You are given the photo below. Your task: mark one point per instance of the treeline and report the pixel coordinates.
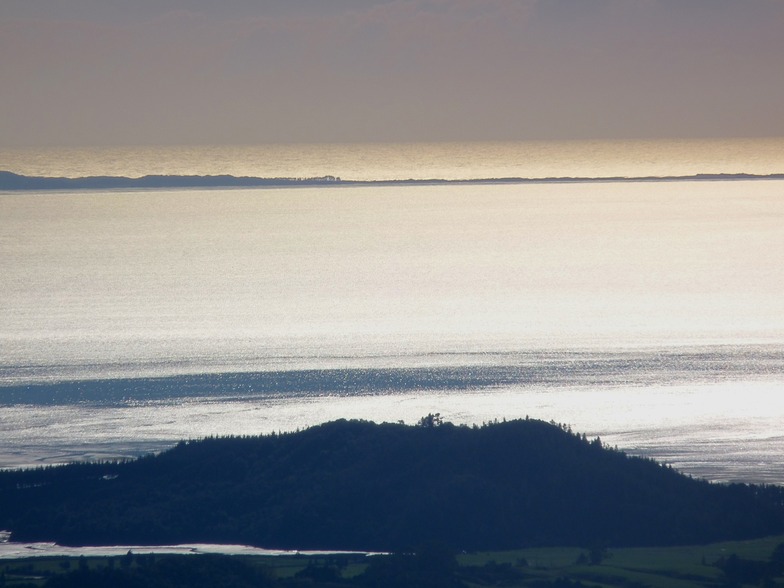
(739, 571)
(355, 485)
(12, 181)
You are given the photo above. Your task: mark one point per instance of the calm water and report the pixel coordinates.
(649, 314)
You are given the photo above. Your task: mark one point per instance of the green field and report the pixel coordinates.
(667, 567)
(655, 567)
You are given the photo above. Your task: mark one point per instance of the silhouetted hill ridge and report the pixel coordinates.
(364, 486)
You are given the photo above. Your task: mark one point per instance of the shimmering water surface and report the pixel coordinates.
(16, 550)
(650, 314)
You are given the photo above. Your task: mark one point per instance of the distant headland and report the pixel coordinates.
(15, 182)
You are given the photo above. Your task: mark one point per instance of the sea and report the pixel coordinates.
(647, 313)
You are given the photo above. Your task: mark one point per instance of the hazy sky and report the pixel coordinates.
(104, 72)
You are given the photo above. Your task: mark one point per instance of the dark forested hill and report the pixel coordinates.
(359, 485)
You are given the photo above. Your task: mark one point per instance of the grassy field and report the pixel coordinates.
(34, 571)
(665, 567)
(655, 567)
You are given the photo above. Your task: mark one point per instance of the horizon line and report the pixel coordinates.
(10, 181)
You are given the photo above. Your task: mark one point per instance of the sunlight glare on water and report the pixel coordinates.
(96, 286)
(155, 277)
(728, 431)
(402, 161)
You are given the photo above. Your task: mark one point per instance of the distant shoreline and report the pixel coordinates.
(13, 550)
(15, 182)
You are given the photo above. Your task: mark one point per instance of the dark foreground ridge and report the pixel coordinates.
(357, 485)
(16, 182)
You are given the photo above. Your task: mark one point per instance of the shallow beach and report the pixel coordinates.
(13, 550)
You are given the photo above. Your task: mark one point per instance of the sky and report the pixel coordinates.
(171, 72)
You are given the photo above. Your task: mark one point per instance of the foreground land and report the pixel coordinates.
(750, 563)
(355, 485)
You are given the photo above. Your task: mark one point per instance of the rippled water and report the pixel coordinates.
(711, 412)
(649, 314)
(402, 161)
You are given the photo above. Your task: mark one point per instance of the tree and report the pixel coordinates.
(430, 421)
(597, 554)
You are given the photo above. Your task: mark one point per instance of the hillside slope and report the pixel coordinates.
(359, 485)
